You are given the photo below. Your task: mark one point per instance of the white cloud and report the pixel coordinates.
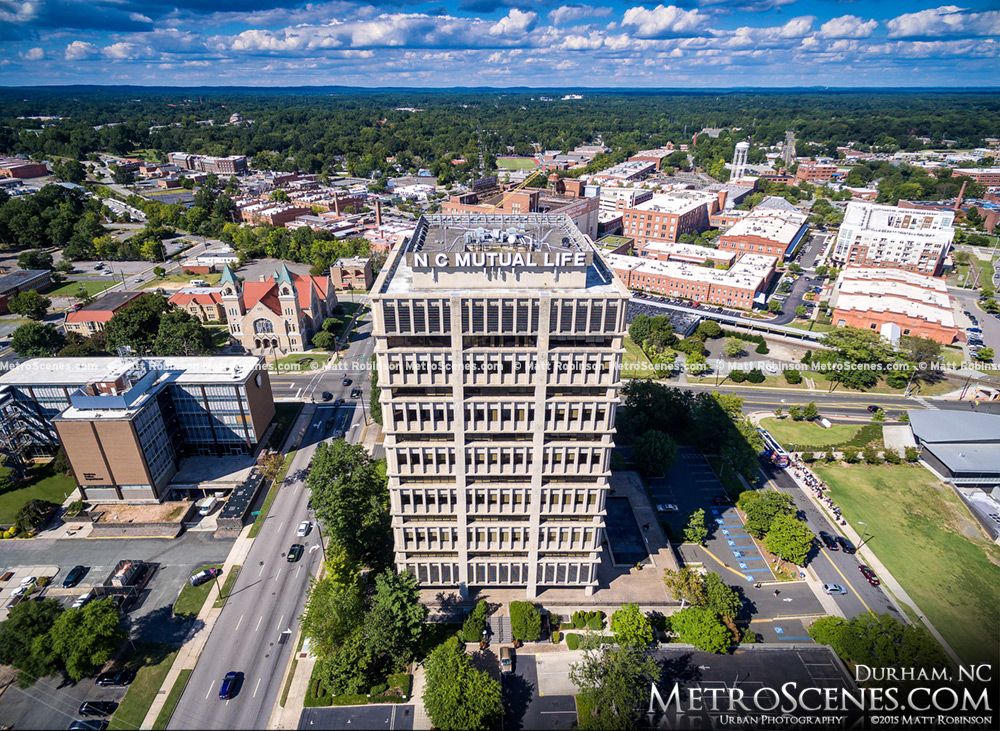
(943, 21)
(120, 51)
(847, 26)
(78, 50)
(515, 22)
(575, 14)
(15, 12)
(664, 22)
(771, 36)
(583, 43)
(34, 54)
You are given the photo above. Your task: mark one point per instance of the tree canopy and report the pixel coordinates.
(458, 697)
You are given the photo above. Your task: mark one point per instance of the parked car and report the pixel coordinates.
(834, 589)
(355, 393)
(82, 600)
(115, 678)
(89, 724)
(230, 685)
(347, 381)
(74, 576)
(829, 541)
(667, 508)
(204, 576)
(845, 545)
(304, 528)
(869, 575)
(874, 408)
(97, 708)
(326, 396)
(295, 552)
(506, 659)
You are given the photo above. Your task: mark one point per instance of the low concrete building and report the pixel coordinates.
(962, 447)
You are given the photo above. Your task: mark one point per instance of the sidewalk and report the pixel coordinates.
(287, 716)
(191, 650)
(896, 592)
(421, 721)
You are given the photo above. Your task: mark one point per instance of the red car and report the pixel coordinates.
(869, 574)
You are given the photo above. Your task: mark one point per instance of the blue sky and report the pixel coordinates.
(693, 43)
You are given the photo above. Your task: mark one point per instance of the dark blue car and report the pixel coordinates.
(230, 685)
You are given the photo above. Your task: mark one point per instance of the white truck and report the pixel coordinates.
(207, 505)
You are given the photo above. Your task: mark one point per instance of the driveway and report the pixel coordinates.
(526, 708)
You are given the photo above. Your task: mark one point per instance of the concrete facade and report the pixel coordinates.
(499, 378)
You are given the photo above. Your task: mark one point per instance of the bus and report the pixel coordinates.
(772, 450)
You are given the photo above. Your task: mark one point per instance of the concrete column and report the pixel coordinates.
(538, 443)
(461, 469)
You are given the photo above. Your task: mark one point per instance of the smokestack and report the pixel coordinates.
(378, 214)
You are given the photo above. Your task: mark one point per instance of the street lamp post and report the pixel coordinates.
(865, 537)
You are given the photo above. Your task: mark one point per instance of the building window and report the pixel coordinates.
(263, 326)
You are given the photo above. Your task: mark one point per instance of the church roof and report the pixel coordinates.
(266, 292)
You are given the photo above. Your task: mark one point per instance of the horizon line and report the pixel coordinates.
(521, 88)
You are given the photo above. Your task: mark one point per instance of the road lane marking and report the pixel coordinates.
(208, 693)
(261, 570)
(281, 525)
(277, 574)
(239, 623)
(847, 584)
(255, 688)
(278, 628)
(258, 622)
(298, 571)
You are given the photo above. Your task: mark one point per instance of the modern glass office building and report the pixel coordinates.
(126, 422)
(498, 341)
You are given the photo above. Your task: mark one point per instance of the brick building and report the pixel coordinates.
(352, 273)
(766, 231)
(16, 167)
(815, 172)
(205, 303)
(917, 304)
(990, 177)
(666, 216)
(92, 318)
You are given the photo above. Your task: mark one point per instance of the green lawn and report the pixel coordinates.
(135, 705)
(298, 362)
(191, 599)
(163, 718)
(227, 587)
(809, 433)
(635, 364)
(516, 163)
(813, 325)
(43, 484)
(93, 287)
(928, 540)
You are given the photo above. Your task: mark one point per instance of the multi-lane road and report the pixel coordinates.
(255, 632)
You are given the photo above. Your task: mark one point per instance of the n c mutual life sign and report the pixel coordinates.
(500, 259)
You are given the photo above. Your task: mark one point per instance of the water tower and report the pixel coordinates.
(740, 160)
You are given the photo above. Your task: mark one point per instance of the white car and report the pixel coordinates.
(304, 527)
(667, 508)
(81, 600)
(834, 589)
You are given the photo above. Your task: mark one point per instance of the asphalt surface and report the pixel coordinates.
(835, 567)
(813, 247)
(51, 703)
(256, 629)
(524, 708)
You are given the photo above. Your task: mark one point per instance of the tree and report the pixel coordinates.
(702, 628)
(24, 641)
(631, 626)
(810, 412)
(33, 514)
(615, 680)
(685, 584)
(181, 333)
(83, 295)
(774, 306)
(351, 499)
(29, 303)
(654, 452)
(525, 621)
(696, 531)
(34, 339)
(456, 695)
(733, 348)
(395, 622)
(34, 259)
(874, 639)
(333, 611)
(761, 507)
(86, 638)
(136, 325)
(984, 355)
(789, 538)
(721, 598)
(324, 340)
(709, 329)
(475, 622)
(854, 346)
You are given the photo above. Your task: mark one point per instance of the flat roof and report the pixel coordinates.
(967, 457)
(111, 301)
(20, 277)
(79, 371)
(769, 223)
(547, 233)
(948, 426)
(677, 201)
(749, 272)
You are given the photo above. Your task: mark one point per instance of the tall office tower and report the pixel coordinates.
(740, 159)
(498, 348)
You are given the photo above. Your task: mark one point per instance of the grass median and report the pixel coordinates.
(272, 494)
(165, 714)
(931, 544)
(141, 693)
(227, 587)
(192, 598)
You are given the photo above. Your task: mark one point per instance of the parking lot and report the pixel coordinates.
(389, 716)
